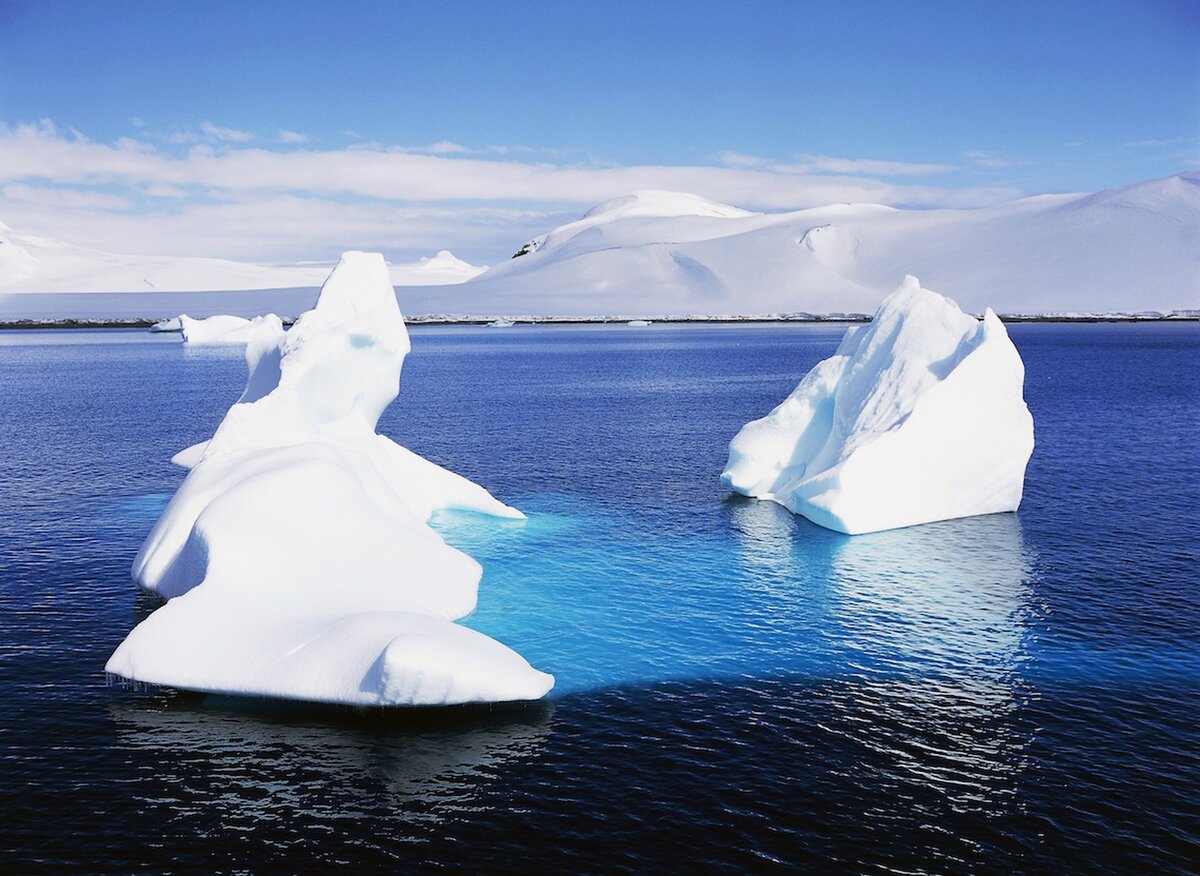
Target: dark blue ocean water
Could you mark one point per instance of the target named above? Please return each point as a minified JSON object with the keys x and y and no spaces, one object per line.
{"x":737,"y":689}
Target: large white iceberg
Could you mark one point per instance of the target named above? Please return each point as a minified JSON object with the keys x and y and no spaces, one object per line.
{"x":296,"y":557}
{"x":918,"y":417}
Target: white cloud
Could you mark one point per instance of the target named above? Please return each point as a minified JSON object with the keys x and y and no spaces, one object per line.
{"x":1152,"y":144}
{"x":823,"y":164}
{"x":739,"y":159}
{"x":40,"y":151}
{"x":235,"y":200}
{"x":443,"y":147}
{"x":286,"y":136}
{"x":158,"y":190}
{"x":128,"y":143}
{"x":544,"y":151}
{"x":224,"y":135}
{"x":449,"y":147}
{"x":283,"y":228}
{"x":988,"y":159}
{"x":59,"y":198}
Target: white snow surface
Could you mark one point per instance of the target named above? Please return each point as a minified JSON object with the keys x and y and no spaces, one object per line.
{"x":652,"y":253}
{"x":39,"y":264}
{"x":655,"y":253}
{"x":296,"y":557}
{"x":917,"y":417}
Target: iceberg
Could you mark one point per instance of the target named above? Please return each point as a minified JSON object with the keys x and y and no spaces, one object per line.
{"x":222,"y":329}
{"x":296,"y":557}
{"x":918,"y":416}
{"x":168,"y":325}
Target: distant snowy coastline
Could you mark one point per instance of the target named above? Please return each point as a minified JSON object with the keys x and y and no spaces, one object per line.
{"x":1124,"y":253}
{"x":31,"y":265}
{"x":471,"y":320}
{"x":1120,"y":251}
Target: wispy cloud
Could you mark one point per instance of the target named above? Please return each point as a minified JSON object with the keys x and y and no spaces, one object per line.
{"x":269,"y":228}
{"x":449,"y":147}
{"x":42,"y":151}
{"x":292,"y":137}
{"x":60,"y":198}
{"x":216,"y":133}
{"x":1152,"y":144}
{"x":989,"y":159}
{"x":364,"y":194}
{"x":829,"y":164}
{"x":441,"y":147}
{"x":158,"y":190}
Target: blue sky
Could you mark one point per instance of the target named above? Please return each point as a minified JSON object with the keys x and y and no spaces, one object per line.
{"x":473,"y":125}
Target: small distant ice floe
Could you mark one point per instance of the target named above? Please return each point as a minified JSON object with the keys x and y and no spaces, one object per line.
{"x":224,"y":329}
{"x":296,"y":557}
{"x":501,"y":323}
{"x":167,"y":325}
{"x":639,"y":323}
{"x":918,"y":417}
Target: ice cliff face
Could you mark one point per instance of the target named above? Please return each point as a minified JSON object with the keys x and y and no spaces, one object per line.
{"x":918,"y":417}
{"x":296,"y":556}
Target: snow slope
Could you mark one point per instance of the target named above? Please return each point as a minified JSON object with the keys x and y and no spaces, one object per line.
{"x":1129,"y":249}
{"x":1123,"y":250}
{"x":918,"y":417}
{"x":296,"y":556}
{"x":39,"y":264}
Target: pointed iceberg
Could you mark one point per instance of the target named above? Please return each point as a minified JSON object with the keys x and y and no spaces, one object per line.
{"x":296,"y":557}
{"x":918,"y":417}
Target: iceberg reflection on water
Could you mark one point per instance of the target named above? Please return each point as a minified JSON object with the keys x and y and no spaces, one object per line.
{"x":426,"y":766}
{"x":925,"y":631}
{"x":948,"y":597}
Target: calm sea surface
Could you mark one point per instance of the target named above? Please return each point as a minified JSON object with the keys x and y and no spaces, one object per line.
{"x":737,"y":689}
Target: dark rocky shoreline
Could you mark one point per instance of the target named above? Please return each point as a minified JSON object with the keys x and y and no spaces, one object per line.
{"x":443,"y":320}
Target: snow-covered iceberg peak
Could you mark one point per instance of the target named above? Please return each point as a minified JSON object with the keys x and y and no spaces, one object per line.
{"x":332,"y":374}
{"x":297,"y":557}
{"x":918,"y":417}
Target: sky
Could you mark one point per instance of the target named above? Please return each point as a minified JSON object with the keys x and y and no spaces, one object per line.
{"x":280,"y":132}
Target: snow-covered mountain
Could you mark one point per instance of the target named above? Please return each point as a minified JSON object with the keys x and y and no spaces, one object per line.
{"x":1128,"y":249}
{"x":39,"y":264}
{"x":651,"y":253}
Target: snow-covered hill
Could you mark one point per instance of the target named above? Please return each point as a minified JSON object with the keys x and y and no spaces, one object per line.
{"x":1129,"y":249}
{"x":39,"y":264}
{"x":656,"y":253}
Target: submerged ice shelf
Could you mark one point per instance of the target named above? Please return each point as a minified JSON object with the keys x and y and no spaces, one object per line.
{"x":296,"y":557}
{"x":918,"y":417}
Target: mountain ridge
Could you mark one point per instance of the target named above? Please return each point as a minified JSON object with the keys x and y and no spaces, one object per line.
{"x":1127,"y":249}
